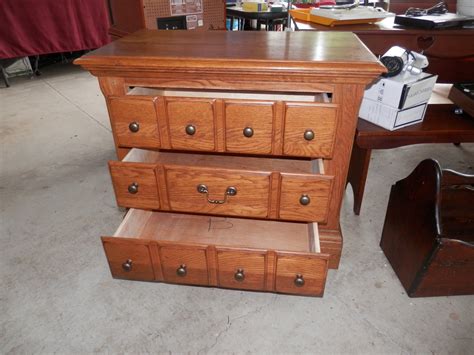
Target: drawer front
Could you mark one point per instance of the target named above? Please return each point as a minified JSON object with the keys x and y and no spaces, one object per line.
{"x":242,"y":270}
{"x":305,"y":197}
{"x":135,"y":121}
{"x":186,"y":191}
{"x":249,"y":127}
{"x":303,"y":274}
{"x":184,"y":264}
{"x":135,"y":186}
{"x":129,"y":260}
{"x":309,"y":130}
{"x":191,"y":123}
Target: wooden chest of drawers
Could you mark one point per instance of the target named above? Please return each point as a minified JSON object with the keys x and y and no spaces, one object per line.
{"x":233,"y":153}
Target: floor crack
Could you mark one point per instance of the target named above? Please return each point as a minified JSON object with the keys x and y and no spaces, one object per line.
{"x":230,"y":322}
{"x":401,"y":346}
{"x":76,"y":105}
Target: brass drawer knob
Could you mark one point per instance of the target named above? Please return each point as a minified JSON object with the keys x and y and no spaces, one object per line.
{"x":181,"y":271}
{"x":127,"y":266}
{"x":248,"y":132}
{"x":133,"y":188}
{"x":190,"y":130}
{"x":308,"y":135}
{"x":230,"y":191}
{"x":134,"y":127}
{"x":239,"y":275}
{"x":305,"y":200}
{"x":299,"y":281}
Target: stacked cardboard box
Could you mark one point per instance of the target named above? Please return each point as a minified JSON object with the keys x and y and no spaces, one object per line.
{"x":397,"y":102}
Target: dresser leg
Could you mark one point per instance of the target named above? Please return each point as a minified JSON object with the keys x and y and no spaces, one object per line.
{"x":358,"y":169}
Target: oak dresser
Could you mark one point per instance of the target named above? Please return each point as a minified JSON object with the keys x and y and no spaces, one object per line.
{"x":233,"y":151}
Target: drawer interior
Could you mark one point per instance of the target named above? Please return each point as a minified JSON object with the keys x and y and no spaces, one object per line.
{"x":296,"y":166}
{"x":220,"y":231}
{"x":236,"y":95}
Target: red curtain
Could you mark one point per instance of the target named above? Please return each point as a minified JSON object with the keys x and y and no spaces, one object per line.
{"x":32,"y":27}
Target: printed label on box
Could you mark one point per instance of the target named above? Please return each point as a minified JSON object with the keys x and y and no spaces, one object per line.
{"x":400,"y":93}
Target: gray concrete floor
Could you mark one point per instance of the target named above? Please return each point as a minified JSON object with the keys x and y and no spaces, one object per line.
{"x":57,"y":294}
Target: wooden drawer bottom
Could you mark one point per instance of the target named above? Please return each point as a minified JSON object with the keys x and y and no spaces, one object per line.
{"x":225,"y":252}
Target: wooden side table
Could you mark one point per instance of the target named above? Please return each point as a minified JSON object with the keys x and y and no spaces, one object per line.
{"x":450,"y":51}
{"x":441,"y":125}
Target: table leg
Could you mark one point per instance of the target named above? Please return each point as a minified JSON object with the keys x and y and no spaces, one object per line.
{"x":358,"y":169}
{"x":4,"y":75}
{"x":232,"y":23}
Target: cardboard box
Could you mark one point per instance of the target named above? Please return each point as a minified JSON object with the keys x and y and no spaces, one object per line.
{"x":402,"y":91}
{"x":389,"y":117}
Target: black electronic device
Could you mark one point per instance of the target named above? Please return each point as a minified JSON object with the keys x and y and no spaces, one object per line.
{"x":447,"y":20}
{"x":394,"y":65}
{"x":398,"y":60}
{"x":172,"y":23}
{"x":462,"y":95}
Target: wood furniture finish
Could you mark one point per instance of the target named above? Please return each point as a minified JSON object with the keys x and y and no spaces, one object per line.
{"x":440,"y":125}
{"x":270,"y":189}
{"x":263,"y":134}
{"x":450,"y":51}
{"x":175,"y":113}
{"x":218,"y":251}
{"x":428,"y":235}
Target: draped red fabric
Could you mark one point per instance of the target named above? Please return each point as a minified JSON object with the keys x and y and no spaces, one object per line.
{"x":32,"y":27}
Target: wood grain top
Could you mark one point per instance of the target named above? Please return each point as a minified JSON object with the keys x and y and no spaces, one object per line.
{"x":234,"y":51}
{"x":440,"y":125}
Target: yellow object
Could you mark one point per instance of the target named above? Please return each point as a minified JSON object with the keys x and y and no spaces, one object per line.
{"x":255,"y":6}
{"x":305,"y":15}
{"x":301,"y":14}
{"x":332,"y":22}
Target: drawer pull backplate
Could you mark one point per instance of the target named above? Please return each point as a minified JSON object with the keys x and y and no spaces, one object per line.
{"x":230,"y":191}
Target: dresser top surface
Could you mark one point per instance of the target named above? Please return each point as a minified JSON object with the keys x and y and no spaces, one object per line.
{"x":271,"y":50}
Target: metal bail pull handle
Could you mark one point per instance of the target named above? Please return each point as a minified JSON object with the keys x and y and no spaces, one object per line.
{"x":230,"y":191}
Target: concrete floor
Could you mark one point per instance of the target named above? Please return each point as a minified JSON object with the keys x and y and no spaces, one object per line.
{"x":57,"y":294}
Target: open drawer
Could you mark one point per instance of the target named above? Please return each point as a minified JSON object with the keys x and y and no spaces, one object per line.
{"x":218,"y":251}
{"x":295,"y":190}
{"x":263,"y":123}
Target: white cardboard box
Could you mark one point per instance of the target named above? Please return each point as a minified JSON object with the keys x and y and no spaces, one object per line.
{"x":402,"y":91}
{"x":389,"y":117}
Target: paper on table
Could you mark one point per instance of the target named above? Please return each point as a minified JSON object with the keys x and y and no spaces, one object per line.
{"x":440,"y":93}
